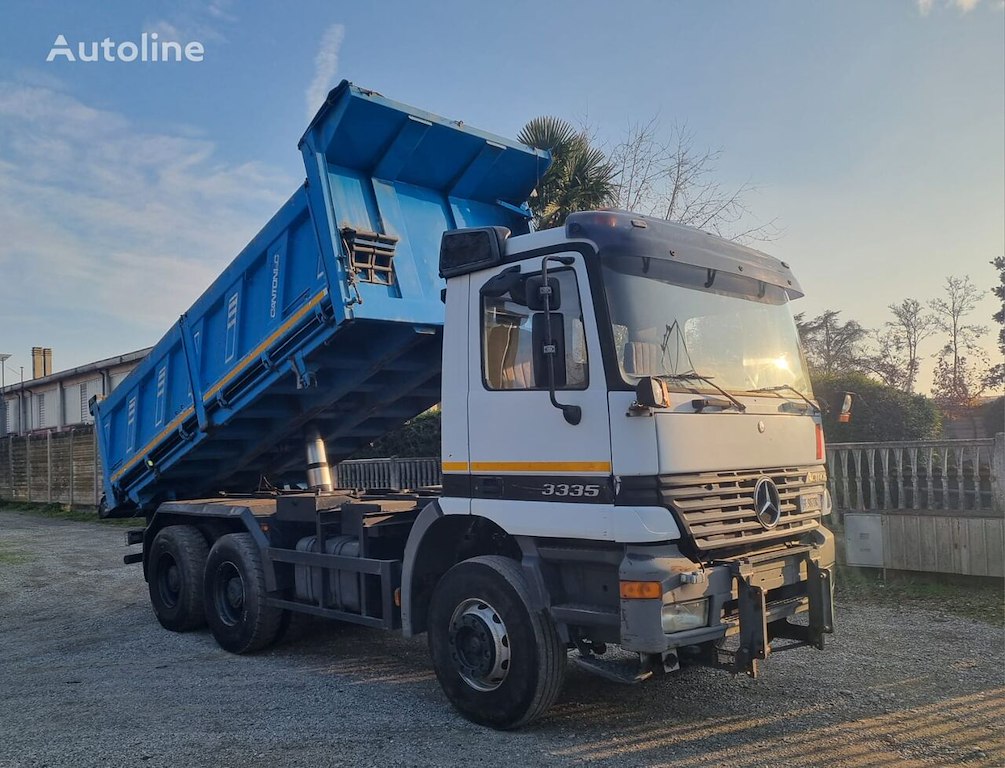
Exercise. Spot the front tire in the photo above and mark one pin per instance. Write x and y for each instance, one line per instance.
(175, 567)
(499, 662)
(234, 595)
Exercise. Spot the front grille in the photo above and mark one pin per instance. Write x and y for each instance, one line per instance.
(717, 508)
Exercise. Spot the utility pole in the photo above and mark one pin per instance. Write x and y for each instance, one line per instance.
(4, 357)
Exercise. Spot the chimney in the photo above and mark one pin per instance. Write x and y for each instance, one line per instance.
(41, 362)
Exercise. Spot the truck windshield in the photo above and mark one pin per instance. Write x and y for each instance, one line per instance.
(671, 319)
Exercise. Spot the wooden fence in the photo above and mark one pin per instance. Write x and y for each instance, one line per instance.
(53, 467)
(933, 505)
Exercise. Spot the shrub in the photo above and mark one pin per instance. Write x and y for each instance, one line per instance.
(419, 437)
(880, 413)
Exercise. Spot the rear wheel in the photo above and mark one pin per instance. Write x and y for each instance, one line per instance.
(234, 593)
(175, 568)
(499, 662)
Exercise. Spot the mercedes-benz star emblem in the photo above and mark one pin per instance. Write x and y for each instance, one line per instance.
(767, 503)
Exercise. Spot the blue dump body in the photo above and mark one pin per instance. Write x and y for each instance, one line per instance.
(331, 315)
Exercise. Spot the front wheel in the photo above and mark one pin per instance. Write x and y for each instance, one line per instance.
(500, 663)
(234, 593)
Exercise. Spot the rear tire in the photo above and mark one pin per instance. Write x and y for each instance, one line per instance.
(499, 662)
(175, 567)
(234, 595)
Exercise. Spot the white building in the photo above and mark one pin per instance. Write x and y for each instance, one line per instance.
(59, 400)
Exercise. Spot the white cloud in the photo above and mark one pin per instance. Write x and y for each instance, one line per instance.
(963, 6)
(109, 231)
(325, 68)
(191, 20)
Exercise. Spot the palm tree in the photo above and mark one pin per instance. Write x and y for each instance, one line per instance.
(579, 179)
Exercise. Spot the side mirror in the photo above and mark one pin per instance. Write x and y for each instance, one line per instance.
(536, 290)
(846, 405)
(542, 357)
(652, 392)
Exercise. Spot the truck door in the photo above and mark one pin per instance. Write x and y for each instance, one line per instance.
(530, 469)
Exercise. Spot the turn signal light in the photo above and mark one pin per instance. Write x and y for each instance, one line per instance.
(641, 590)
(820, 442)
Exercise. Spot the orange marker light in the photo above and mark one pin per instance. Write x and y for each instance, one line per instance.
(641, 590)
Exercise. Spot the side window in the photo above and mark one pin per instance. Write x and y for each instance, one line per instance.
(507, 339)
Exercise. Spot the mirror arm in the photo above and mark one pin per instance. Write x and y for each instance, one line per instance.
(573, 413)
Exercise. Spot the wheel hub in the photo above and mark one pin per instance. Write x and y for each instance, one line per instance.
(168, 580)
(479, 645)
(229, 594)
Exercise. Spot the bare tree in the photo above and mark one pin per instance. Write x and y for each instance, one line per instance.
(911, 325)
(961, 361)
(888, 360)
(831, 347)
(665, 174)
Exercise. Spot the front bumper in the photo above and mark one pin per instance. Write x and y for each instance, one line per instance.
(751, 598)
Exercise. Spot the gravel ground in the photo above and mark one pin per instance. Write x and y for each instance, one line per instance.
(88, 678)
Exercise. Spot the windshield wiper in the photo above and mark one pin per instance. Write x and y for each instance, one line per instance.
(694, 376)
(790, 388)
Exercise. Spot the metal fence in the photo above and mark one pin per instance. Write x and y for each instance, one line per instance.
(389, 473)
(53, 467)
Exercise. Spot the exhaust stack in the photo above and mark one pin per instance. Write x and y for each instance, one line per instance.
(319, 474)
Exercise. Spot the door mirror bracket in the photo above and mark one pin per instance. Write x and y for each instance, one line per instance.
(546, 293)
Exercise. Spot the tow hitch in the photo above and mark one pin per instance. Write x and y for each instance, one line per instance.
(758, 628)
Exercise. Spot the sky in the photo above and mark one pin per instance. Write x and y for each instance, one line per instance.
(874, 133)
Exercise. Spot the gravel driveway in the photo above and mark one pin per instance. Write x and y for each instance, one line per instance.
(88, 678)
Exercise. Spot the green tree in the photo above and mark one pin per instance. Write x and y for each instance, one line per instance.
(418, 438)
(880, 412)
(580, 177)
(995, 378)
(831, 347)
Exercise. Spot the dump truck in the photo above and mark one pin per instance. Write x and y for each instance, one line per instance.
(633, 472)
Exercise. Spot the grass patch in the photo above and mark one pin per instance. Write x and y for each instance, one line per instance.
(969, 597)
(11, 556)
(64, 512)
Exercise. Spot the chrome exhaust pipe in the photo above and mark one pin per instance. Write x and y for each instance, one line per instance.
(319, 474)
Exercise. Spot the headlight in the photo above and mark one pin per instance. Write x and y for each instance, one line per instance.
(678, 617)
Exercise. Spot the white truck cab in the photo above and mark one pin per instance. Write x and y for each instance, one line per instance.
(626, 404)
